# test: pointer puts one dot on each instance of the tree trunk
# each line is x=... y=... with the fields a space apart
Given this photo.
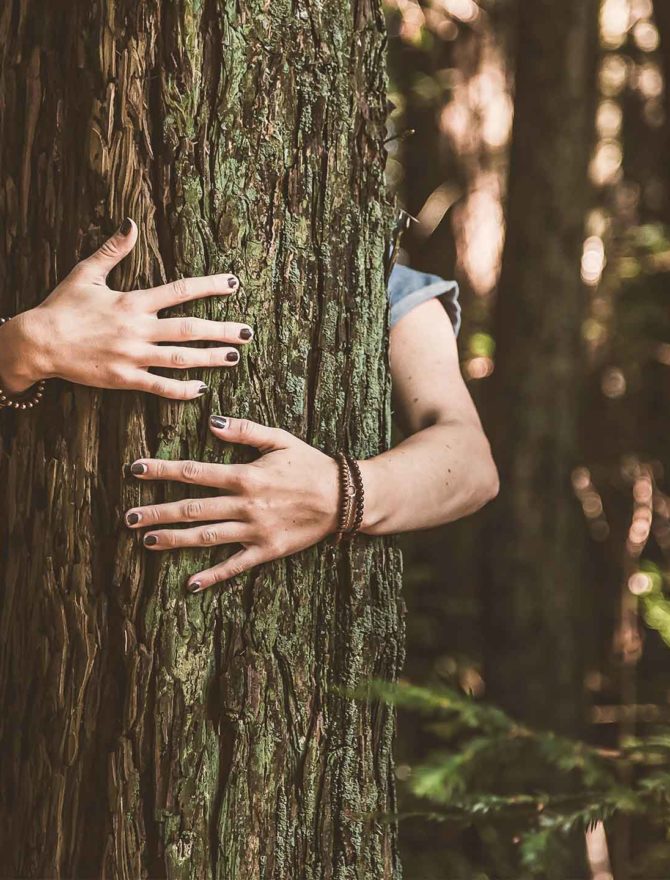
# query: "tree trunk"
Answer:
x=533 y=602
x=146 y=732
x=662 y=20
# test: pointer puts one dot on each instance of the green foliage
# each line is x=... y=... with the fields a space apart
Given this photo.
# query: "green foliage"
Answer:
x=654 y=605
x=531 y=789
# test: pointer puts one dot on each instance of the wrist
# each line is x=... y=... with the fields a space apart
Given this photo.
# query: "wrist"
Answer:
x=373 y=514
x=21 y=362
x=332 y=498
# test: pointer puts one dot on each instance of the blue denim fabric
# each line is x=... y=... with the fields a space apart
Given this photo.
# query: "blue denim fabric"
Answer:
x=408 y=288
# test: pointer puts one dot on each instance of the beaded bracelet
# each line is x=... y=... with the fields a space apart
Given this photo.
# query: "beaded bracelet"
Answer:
x=352 y=497
x=359 y=497
x=25 y=400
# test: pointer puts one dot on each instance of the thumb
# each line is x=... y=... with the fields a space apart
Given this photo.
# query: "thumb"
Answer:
x=249 y=433
x=113 y=250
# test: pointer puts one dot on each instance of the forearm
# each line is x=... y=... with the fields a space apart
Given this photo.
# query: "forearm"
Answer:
x=19 y=353
x=436 y=475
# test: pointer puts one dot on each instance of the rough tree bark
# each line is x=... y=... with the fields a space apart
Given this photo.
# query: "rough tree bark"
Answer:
x=533 y=605
x=145 y=732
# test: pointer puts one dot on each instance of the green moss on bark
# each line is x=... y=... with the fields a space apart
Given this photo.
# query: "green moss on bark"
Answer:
x=150 y=733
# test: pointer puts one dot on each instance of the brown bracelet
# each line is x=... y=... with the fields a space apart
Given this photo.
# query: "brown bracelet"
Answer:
x=352 y=497
x=27 y=399
x=360 y=495
x=347 y=495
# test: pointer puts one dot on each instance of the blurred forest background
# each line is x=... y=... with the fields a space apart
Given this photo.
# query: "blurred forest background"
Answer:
x=531 y=143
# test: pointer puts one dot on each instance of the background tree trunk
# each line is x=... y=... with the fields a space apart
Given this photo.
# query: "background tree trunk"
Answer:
x=148 y=733
x=533 y=606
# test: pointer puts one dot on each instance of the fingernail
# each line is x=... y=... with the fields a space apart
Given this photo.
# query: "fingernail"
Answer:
x=126 y=227
x=233 y=282
x=150 y=540
x=138 y=468
x=133 y=518
x=193 y=587
x=218 y=421
x=203 y=388
x=246 y=333
x=232 y=356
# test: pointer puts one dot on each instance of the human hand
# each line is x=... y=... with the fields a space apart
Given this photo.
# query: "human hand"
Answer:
x=281 y=503
x=86 y=333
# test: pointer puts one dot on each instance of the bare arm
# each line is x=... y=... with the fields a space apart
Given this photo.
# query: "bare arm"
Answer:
x=443 y=470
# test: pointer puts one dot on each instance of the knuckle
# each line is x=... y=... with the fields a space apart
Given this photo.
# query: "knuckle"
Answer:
x=249 y=506
x=191 y=470
x=209 y=536
x=192 y=510
x=246 y=428
x=276 y=547
x=248 y=482
x=116 y=375
x=80 y=270
x=178 y=359
x=158 y=387
x=126 y=302
x=187 y=328
x=108 y=248
x=179 y=289
x=134 y=352
x=237 y=482
x=161 y=468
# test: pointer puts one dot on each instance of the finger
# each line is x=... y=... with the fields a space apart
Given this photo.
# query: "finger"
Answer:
x=199 y=473
x=199 y=329
x=173 y=389
x=101 y=263
x=249 y=433
x=182 y=358
x=186 y=289
x=243 y=560
x=200 y=536
x=224 y=507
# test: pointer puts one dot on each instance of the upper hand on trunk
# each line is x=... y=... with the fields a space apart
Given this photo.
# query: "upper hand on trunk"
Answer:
x=279 y=504
x=89 y=334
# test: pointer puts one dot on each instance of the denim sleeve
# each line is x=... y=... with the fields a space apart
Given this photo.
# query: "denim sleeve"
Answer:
x=408 y=288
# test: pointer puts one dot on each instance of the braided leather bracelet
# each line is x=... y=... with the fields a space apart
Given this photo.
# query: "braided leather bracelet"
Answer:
x=347 y=496
x=352 y=497
x=27 y=399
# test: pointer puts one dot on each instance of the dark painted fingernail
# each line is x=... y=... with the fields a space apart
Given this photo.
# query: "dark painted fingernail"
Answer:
x=232 y=283
x=126 y=227
x=233 y=357
x=138 y=468
x=218 y=421
x=246 y=333
x=150 y=540
x=193 y=587
x=203 y=388
x=132 y=519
